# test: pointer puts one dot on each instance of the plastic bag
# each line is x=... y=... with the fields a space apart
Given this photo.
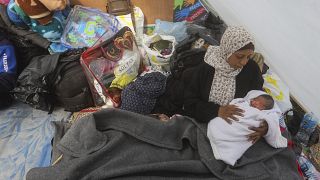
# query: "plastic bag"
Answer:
x=177 y=29
x=109 y=66
x=156 y=59
x=126 y=20
x=278 y=90
x=139 y=23
x=86 y=25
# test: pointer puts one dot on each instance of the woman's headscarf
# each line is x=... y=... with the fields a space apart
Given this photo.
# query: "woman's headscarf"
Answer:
x=223 y=87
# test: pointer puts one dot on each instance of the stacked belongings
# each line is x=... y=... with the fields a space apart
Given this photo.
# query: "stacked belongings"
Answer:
x=58 y=79
x=188 y=53
x=305 y=134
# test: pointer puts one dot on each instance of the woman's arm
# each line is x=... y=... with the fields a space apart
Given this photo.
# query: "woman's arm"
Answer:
x=196 y=84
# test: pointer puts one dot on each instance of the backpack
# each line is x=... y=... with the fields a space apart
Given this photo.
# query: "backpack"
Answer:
x=54 y=79
x=8 y=62
x=183 y=59
x=293 y=125
x=8 y=69
x=72 y=89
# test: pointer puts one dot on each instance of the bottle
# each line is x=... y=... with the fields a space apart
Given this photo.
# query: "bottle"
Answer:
x=307 y=126
x=309 y=171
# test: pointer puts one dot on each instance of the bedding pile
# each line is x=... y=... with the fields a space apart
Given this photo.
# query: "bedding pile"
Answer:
x=105 y=101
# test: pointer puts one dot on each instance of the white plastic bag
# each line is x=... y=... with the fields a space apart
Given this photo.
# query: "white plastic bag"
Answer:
x=126 y=20
x=275 y=87
x=157 y=60
x=176 y=29
x=139 y=23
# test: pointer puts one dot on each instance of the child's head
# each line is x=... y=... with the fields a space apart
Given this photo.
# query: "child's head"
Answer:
x=262 y=102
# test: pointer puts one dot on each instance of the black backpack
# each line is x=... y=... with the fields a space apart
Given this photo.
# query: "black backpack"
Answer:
x=54 y=79
x=171 y=101
x=293 y=124
x=184 y=60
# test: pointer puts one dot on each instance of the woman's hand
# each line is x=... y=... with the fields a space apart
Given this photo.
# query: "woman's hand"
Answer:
x=259 y=132
x=229 y=112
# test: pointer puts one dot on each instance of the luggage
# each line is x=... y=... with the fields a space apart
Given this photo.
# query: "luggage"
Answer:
x=110 y=66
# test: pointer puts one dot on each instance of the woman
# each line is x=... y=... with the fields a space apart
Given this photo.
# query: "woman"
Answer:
x=227 y=73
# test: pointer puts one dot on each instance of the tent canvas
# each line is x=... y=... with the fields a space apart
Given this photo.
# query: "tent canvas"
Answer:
x=287 y=33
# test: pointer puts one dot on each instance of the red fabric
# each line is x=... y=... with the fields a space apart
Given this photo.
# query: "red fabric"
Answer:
x=290 y=146
x=299 y=170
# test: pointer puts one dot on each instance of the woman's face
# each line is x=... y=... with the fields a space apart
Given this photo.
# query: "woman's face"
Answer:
x=240 y=58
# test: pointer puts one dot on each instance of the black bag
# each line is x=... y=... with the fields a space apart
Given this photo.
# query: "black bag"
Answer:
x=53 y=79
x=216 y=25
x=7 y=83
x=171 y=101
x=293 y=124
x=71 y=88
x=184 y=60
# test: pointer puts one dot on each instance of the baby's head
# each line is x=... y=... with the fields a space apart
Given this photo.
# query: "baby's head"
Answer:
x=262 y=102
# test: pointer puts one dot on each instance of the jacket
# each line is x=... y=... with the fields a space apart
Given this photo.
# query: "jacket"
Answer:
x=197 y=89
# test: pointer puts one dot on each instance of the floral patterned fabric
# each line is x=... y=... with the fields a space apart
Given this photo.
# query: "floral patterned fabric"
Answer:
x=315 y=155
x=224 y=81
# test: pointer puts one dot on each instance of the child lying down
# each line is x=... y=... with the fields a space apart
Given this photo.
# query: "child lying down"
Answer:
x=230 y=141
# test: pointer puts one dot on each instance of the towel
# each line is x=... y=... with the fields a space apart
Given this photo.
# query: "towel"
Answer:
x=229 y=142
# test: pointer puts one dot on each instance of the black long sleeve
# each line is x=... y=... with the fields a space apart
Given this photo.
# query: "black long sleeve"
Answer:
x=198 y=83
x=196 y=93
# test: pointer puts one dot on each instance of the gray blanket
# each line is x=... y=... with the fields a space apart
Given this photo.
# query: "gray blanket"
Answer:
x=116 y=144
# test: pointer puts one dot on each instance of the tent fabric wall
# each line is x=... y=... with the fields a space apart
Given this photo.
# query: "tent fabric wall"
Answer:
x=287 y=33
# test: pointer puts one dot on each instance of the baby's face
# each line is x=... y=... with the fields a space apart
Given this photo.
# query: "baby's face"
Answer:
x=258 y=103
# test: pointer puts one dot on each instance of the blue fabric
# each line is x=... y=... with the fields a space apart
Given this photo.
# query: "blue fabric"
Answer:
x=176 y=29
x=141 y=95
x=8 y=63
x=25 y=139
x=13 y=16
x=17 y=16
x=57 y=48
x=7 y=83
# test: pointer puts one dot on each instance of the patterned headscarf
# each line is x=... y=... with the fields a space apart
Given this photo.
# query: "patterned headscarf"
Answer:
x=223 y=87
